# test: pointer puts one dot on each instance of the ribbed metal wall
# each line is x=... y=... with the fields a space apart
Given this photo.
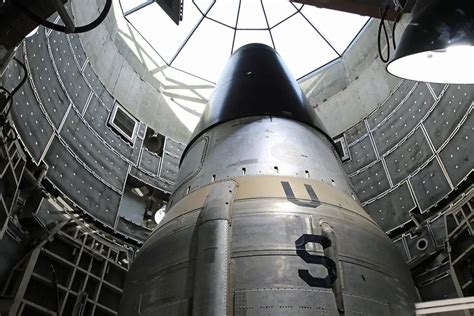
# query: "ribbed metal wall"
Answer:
x=410 y=159
x=61 y=115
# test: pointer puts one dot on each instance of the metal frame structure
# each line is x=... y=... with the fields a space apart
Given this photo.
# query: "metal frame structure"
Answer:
x=459 y=224
x=12 y=165
x=235 y=28
x=85 y=271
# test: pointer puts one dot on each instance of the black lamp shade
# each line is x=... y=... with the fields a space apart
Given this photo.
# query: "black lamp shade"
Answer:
x=438 y=44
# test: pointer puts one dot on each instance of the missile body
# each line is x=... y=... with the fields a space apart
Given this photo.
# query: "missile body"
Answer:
x=263 y=220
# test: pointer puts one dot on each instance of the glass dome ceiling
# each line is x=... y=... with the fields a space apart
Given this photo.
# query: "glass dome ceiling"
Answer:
x=305 y=36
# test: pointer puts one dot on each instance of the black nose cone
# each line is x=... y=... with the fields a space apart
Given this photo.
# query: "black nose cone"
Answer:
x=256 y=82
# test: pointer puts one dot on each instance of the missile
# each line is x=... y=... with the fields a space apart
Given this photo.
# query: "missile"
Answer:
x=263 y=220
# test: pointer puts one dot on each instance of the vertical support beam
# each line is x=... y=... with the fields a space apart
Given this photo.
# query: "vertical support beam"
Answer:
x=32 y=257
x=211 y=294
x=24 y=281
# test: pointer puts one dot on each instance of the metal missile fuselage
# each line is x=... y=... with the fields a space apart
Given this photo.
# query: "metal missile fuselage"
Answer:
x=263 y=220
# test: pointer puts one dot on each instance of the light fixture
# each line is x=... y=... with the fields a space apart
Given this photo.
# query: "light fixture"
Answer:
x=160 y=214
x=138 y=192
x=438 y=44
x=141 y=191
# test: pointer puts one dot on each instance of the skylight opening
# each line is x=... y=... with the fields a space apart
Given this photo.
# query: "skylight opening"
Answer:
x=305 y=36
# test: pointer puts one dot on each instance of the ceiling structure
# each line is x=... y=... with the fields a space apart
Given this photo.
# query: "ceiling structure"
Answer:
x=305 y=36
x=371 y=8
